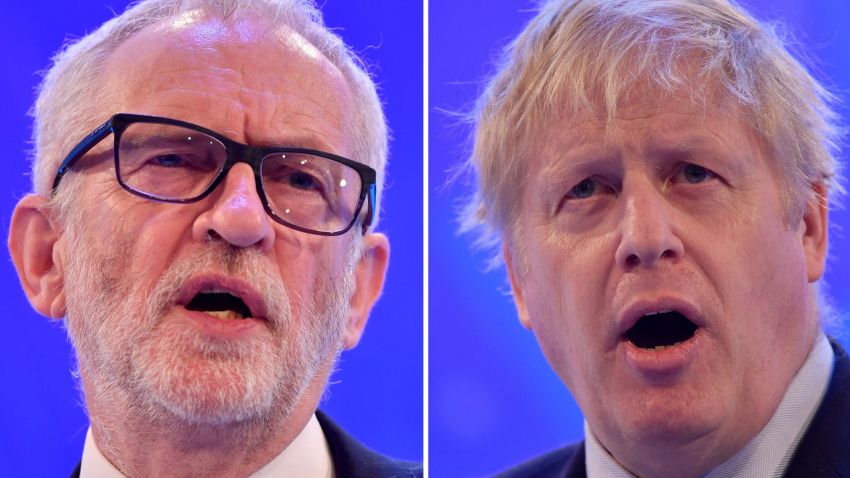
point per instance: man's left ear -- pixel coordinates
(814, 229)
(369, 273)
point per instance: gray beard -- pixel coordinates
(137, 366)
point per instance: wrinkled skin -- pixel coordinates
(201, 398)
(683, 203)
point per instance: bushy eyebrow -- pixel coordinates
(698, 148)
(152, 140)
(577, 157)
(586, 155)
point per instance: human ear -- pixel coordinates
(516, 288)
(814, 229)
(369, 274)
(34, 242)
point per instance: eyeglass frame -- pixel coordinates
(236, 152)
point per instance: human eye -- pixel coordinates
(586, 188)
(167, 160)
(182, 160)
(302, 180)
(297, 177)
(695, 174)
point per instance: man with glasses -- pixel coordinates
(658, 175)
(205, 187)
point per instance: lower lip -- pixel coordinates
(220, 328)
(662, 364)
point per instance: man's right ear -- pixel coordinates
(34, 242)
(516, 287)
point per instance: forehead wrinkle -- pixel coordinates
(688, 145)
(334, 104)
(186, 75)
(285, 129)
(655, 125)
(175, 103)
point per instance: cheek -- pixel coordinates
(773, 282)
(565, 296)
(151, 237)
(139, 234)
(305, 261)
(757, 266)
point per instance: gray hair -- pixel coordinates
(66, 97)
(582, 56)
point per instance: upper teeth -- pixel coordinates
(212, 290)
(659, 312)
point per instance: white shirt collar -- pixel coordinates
(307, 456)
(769, 453)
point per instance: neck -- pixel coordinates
(691, 460)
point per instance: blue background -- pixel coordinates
(493, 401)
(377, 392)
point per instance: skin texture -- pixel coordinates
(203, 402)
(650, 231)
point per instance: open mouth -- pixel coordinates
(221, 304)
(661, 330)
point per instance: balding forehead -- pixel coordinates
(271, 70)
(209, 37)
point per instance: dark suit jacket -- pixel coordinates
(351, 458)
(824, 451)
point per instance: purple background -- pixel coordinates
(493, 399)
(377, 392)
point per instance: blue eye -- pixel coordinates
(168, 160)
(584, 189)
(696, 174)
(302, 181)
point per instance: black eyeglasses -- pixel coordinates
(168, 160)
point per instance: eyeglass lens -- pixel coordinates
(177, 163)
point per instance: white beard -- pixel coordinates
(131, 357)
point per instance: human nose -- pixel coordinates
(237, 216)
(647, 234)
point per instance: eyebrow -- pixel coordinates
(658, 150)
(306, 140)
(697, 146)
(157, 139)
(576, 157)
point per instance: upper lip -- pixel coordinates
(643, 306)
(223, 283)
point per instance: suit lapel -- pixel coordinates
(824, 451)
(575, 466)
(351, 459)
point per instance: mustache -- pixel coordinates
(248, 264)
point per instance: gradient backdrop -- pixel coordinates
(377, 392)
(493, 399)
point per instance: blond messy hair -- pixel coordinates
(579, 57)
(67, 103)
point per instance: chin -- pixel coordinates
(669, 418)
(210, 395)
(670, 431)
(213, 383)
